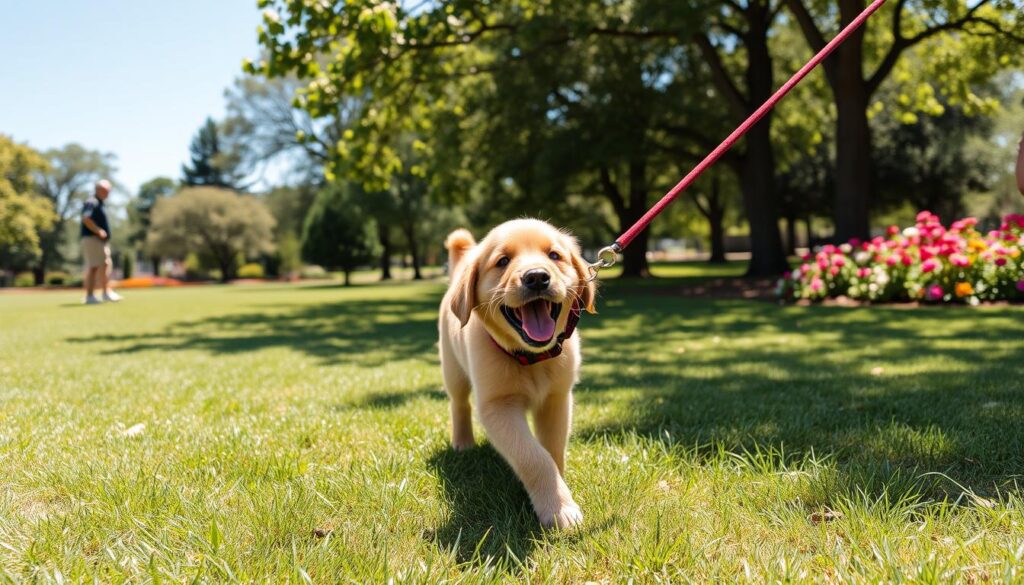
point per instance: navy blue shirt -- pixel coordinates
(93, 209)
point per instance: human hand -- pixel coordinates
(102, 234)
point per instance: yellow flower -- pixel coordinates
(977, 245)
(964, 289)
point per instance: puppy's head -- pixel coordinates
(523, 281)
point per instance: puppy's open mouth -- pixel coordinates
(534, 321)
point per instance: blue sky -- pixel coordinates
(131, 77)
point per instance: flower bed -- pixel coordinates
(927, 262)
(148, 282)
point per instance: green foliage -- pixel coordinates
(338, 234)
(141, 208)
(128, 265)
(214, 222)
(251, 270)
(58, 278)
(24, 279)
(23, 213)
(312, 272)
(289, 254)
(211, 165)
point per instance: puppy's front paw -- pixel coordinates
(463, 443)
(566, 515)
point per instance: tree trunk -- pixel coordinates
(853, 134)
(384, 236)
(156, 265)
(348, 277)
(634, 257)
(790, 234)
(414, 249)
(757, 180)
(715, 219)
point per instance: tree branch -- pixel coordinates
(815, 38)
(720, 76)
(901, 43)
(611, 190)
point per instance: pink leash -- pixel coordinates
(607, 256)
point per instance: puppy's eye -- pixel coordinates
(503, 262)
(554, 256)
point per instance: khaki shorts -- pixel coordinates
(95, 252)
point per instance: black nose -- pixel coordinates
(537, 279)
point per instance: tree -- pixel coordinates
(929, 163)
(338, 234)
(263, 127)
(591, 98)
(986, 32)
(212, 165)
(23, 212)
(141, 210)
(68, 180)
(218, 223)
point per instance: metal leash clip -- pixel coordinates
(606, 258)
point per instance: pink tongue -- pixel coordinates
(537, 321)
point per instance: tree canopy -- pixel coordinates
(23, 211)
(217, 222)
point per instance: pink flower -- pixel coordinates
(907, 260)
(960, 260)
(1020, 286)
(816, 284)
(893, 230)
(935, 293)
(1001, 261)
(864, 272)
(929, 265)
(839, 261)
(892, 261)
(834, 271)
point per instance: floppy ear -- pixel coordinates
(587, 290)
(464, 293)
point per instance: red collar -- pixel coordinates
(528, 358)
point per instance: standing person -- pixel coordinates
(96, 246)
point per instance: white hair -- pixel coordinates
(103, 184)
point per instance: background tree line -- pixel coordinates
(369, 128)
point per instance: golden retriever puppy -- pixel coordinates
(506, 333)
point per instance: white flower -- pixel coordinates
(862, 257)
(845, 248)
(910, 232)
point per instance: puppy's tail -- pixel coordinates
(457, 243)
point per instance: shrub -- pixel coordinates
(24, 279)
(128, 265)
(58, 278)
(313, 272)
(251, 270)
(926, 262)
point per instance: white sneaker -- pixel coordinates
(112, 297)
(91, 300)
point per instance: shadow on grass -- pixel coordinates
(890, 394)
(365, 332)
(884, 390)
(491, 519)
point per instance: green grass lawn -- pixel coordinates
(301, 433)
